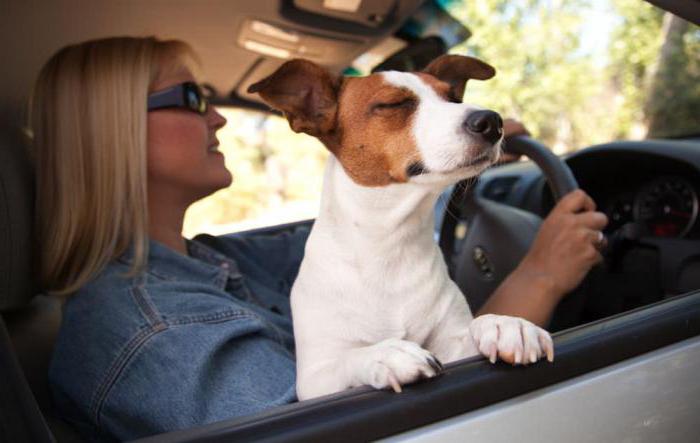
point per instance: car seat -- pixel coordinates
(29, 321)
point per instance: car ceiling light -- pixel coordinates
(262, 48)
(282, 42)
(342, 5)
(273, 31)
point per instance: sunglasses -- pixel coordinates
(185, 95)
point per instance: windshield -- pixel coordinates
(576, 72)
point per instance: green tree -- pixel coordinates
(635, 46)
(649, 76)
(672, 107)
(542, 76)
(655, 62)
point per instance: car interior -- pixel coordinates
(649, 189)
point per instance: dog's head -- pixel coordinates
(392, 127)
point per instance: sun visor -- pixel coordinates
(331, 33)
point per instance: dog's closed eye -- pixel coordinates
(407, 103)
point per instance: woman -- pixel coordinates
(159, 332)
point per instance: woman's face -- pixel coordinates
(183, 158)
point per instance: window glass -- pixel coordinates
(576, 72)
(277, 176)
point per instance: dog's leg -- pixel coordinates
(512, 339)
(389, 363)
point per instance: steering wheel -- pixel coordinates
(497, 236)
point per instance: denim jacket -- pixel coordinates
(193, 340)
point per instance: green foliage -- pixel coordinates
(673, 104)
(635, 47)
(271, 166)
(542, 78)
(567, 97)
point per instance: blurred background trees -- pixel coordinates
(277, 176)
(580, 72)
(576, 72)
(672, 106)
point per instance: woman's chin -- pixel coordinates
(217, 181)
(226, 180)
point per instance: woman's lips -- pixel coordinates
(214, 147)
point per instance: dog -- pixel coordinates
(373, 303)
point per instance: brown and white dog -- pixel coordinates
(373, 303)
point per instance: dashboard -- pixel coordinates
(652, 184)
(650, 192)
(666, 206)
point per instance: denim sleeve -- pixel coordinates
(197, 371)
(263, 254)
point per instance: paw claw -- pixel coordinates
(393, 363)
(394, 383)
(547, 345)
(493, 353)
(435, 364)
(442, 367)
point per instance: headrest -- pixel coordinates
(17, 274)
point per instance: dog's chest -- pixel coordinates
(384, 305)
(385, 322)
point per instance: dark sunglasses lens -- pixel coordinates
(195, 101)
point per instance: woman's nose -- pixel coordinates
(215, 120)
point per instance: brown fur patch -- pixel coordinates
(456, 70)
(374, 140)
(305, 92)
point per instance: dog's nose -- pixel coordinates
(488, 124)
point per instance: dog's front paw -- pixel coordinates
(395, 362)
(513, 339)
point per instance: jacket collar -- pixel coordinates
(202, 264)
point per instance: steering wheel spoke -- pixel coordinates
(498, 236)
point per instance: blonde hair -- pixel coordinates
(88, 124)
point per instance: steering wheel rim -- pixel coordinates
(557, 173)
(499, 235)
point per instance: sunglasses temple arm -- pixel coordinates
(166, 99)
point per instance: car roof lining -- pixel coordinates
(34, 30)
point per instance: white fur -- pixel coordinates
(437, 126)
(373, 300)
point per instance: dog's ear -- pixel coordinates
(457, 69)
(305, 92)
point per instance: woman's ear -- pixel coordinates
(306, 93)
(457, 69)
